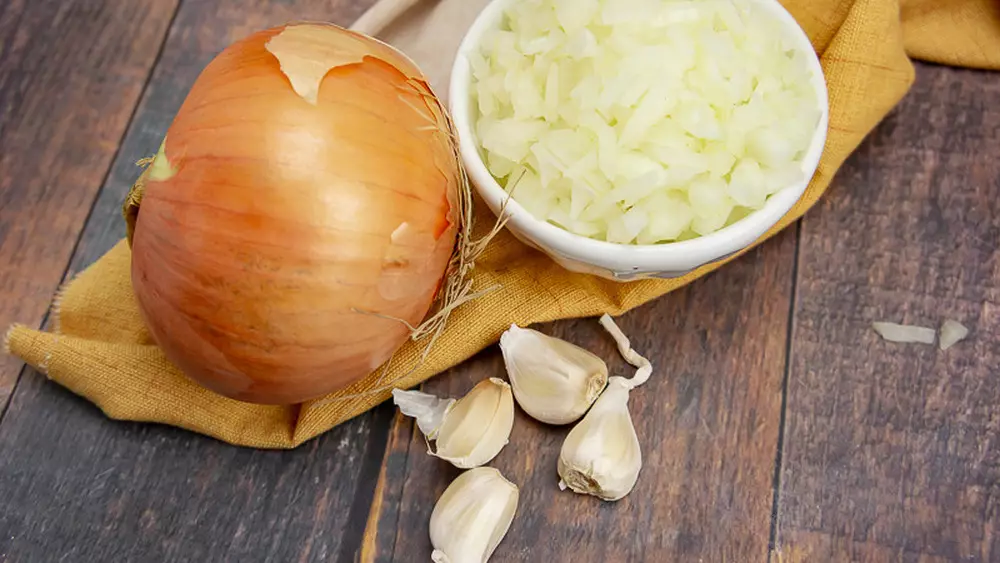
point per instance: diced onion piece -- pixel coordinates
(894, 332)
(951, 333)
(669, 216)
(510, 138)
(500, 166)
(712, 206)
(574, 15)
(747, 184)
(642, 121)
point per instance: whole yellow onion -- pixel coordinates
(302, 210)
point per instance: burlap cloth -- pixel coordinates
(99, 348)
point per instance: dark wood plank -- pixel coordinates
(71, 74)
(890, 452)
(77, 486)
(707, 420)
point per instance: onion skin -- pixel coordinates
(275, 221)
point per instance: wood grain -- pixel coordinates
(707, 421)
(77, 486)
(70, 75)
(890, 452)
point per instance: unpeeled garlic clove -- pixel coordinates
(478, 426)
(472, 516)
(554, 381)
(601, 455)
(468, 432)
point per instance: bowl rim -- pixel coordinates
(671, 256)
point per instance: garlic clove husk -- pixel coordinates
(643, 367)
(467, 432)
(472, 516)
(554, 381)
(426, 408)
(601, 455)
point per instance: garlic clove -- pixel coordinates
(478, 425)
(472, 516)
(601, 456)
(468, 432)
(553, 380)
(426, 408)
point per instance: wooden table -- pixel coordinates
(777, 427)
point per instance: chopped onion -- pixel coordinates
(904, 333)
(642, 121)
(951, 333)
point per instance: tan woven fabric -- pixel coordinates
(100, 349)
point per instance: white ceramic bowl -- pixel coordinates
(624, 262)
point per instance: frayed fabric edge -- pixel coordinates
(56, 308)
(7, 336)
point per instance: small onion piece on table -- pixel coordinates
(893, 332)
(301, 213)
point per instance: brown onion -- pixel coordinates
(304, 203)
